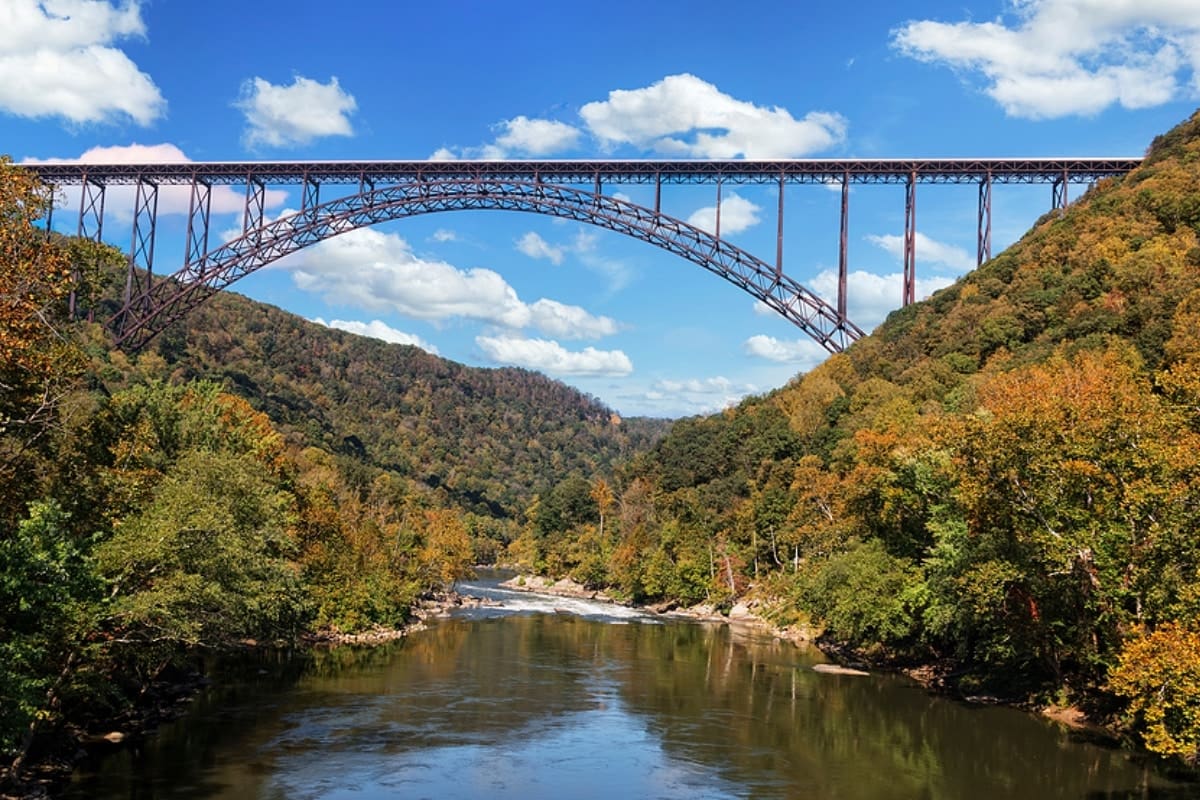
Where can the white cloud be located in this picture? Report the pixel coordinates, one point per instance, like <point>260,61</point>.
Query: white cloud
<point>285,116</point>
<point>737,214</point>
<point>682,115</point>
<point>804,352</point>
<point>444,235</point>
<point>379,271</point>
<point>119,200</point>
<point>1065,57</point>
<point>535,137</point>
<point>762,309</point>
<point>520,136</point>
<point>57,59</point>
<point>871,297</point>
<point>569,322</point>
<point>535,246</point>
<point>674,398</point>
<point>551,357</point>
<point>928,251</point>
<point>377,329</point>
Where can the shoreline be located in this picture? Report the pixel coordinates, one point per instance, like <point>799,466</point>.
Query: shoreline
<point>841,660</point>
<point>742,613</point>
<point>65,749</point>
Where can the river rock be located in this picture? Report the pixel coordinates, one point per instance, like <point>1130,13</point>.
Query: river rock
<point>836,669</point>
<point>740,611</point>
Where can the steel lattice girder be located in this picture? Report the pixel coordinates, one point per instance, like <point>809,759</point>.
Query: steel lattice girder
<point>169,300</point>
<point>799,171</point>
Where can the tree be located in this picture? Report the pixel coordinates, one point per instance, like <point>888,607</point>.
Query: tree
<point>48,593</point>
<point>38,361</point>
<point>1159,674</point>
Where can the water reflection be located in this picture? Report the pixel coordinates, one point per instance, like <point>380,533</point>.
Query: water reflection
<point>549,705</point>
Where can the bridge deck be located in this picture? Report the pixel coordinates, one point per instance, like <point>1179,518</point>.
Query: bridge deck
<point>801,171</point>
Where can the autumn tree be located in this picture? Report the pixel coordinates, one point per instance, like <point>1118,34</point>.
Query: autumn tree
<point>1159,675</point>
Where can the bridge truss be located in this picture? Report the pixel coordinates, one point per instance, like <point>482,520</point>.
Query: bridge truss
<point>370,192</point>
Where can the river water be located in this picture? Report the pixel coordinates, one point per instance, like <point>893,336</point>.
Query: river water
<point>562,699</point>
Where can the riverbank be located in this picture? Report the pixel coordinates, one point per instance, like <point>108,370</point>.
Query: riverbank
<point>59,752</point>
<point>745,612</point>
<point>844,661</point>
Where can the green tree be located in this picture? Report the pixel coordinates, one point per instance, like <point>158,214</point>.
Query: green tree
<point>48,597</point>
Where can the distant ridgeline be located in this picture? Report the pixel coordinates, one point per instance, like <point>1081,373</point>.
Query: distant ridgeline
<point>490,439</point>
<point>1000,481</point>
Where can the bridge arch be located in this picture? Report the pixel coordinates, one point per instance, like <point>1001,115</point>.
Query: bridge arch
<point>165,301</point>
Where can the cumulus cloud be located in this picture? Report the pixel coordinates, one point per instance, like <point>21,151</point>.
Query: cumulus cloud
<point>444,235</point>
<point>871,297</point>
<point>57,59</point>
<point>929,251</point>
<point>803,352</point>
<point>551,357</point>
<point>519,136</point>
<point>737,214</point>
<point>119,200</point>
<point>569,322</point>
<point>535,137</point>
<point>670,397</point>
<point>378,329</point>
<point>1055,58</point>
<point>286,116</point>
<point>379,271</point>
<point>682,115</point>
<point>534,246</point>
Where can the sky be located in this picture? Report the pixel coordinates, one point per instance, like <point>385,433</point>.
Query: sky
<point>640,329</point>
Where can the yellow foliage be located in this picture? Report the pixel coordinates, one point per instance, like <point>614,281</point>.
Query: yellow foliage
<point>1159,673</point>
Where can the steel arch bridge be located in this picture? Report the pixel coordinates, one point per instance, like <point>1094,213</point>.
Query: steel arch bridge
<point>383,191</point>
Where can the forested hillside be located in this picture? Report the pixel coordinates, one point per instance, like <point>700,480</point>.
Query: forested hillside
<point>489,439</point>
<point>1001,480</point>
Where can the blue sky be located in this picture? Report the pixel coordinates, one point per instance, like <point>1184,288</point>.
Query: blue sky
<point>642,330</point>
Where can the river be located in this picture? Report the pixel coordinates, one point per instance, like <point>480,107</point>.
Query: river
<point>561,699</point>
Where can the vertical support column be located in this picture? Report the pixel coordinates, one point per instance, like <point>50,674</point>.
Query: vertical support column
<point>717,232</point>
<point>256,194</point>
<point>657,192</point>
<point>596,190</point>
<point>141,248</point>
<point>910,240</point>
<point>984,240</point>
<point>53,190</point>
<point>91,223</point>
<point>365,184</point>
<point>310,194</point>
<point>199,208</point>
<point>843,247</point>
<point>779,233</point>
<point>91,210</point>
<point>1058,194</point>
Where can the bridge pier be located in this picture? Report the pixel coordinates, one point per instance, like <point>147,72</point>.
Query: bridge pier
<point>779,232</point>
<point>142,237</point>
<point>1058,194</point>
<point>199,211</point>
<point>910,240</point>
<point>984,238</point>
<point>843,247</point>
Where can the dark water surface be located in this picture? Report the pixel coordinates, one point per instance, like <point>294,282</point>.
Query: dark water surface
<point>552,698</point>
